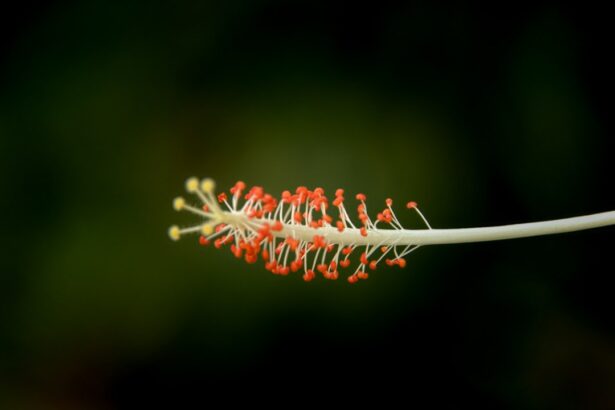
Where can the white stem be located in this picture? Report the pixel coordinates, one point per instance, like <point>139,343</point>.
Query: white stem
<point>448,236</point>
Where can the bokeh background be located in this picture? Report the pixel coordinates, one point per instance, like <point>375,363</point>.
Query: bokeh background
<point>483,116</point>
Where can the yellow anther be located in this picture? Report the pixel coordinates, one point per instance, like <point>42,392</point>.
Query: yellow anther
<point>192,184</point>
<point>207,229</point>
<point>174,232</point>
<point>178,203</point>
<point>208,185</point>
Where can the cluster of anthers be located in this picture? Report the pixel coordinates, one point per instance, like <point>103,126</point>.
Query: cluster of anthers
<point>297,232</point>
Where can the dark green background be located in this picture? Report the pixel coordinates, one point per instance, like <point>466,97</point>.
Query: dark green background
<point>482,116</point>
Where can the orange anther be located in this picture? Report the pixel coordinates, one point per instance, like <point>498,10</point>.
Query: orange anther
<point>203,241</point>
<point>363,258</point>
<point>339,192</point>
<point>389,201</point>
<point>372,265</point>
<point>338,201</point>
<point>277,226</point>
<point>353,279</point>
<point>298,218</point>
<point>222,197</point>
<point>340,226</point>
<point>411,205</point>
<point>265,254</point>
<point>309,275</point>
<point>347,250</point>
<point>362,275</point>
<point>361,197</point>
<point>401,262</point>
<point>295,265</point>
<point>383,249</point>
<point>363,231</point>
<point>236,251</point>
<point>345,263</point>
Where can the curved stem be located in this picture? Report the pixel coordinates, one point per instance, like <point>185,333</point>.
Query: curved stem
<point>450,236</point>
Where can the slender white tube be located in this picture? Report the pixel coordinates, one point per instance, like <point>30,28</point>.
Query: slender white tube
<point>450,236</point>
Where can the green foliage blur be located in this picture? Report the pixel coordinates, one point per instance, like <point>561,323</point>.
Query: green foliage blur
<point>483,117</point>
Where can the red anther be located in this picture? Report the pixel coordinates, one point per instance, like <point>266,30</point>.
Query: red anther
<point>251,258</point>
<point>344,263</point>
<point>286,196</point>
<point>327,218</point>
<point>222,197</point>
<point>239,186</point>
<point>292,242</point>
<point>298,218</point>
<point>319,191</point>
<point>333,265</point>
<point>265,254</point>
<point>353,279</point>
<point>322,268</point>
<point>363,218</point>
<point>277,226</point>
<point>236,251</point>
<point>334,275</point>
<point>340,226</point>
<point>319,241</point>
<point>309,275</point>
<point>362,275</point>
<point>339,192</point>
<point>314,224</point>
<point>295,265</point>
<point>218,243</point>
<point>283,270</point>
<point>411,205</point>
<point>256,192</point>
<point>347,250</point>
<point>329,247</point>
<point>383,249</point>
<point>363,258</point>
<point>220,227</point>
<point>389,201</point>
<point>361,197</point>
<point>205,208</point>
<point>401,262</point>
<point>360,208</point>
<point>387,213</point>
<point>363,231</point>
<point>372,265</point>
<point>203,241</point>
<point>338,201</point>
<point>380,217</point>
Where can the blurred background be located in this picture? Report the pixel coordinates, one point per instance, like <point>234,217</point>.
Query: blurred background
<point>482,116</point>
